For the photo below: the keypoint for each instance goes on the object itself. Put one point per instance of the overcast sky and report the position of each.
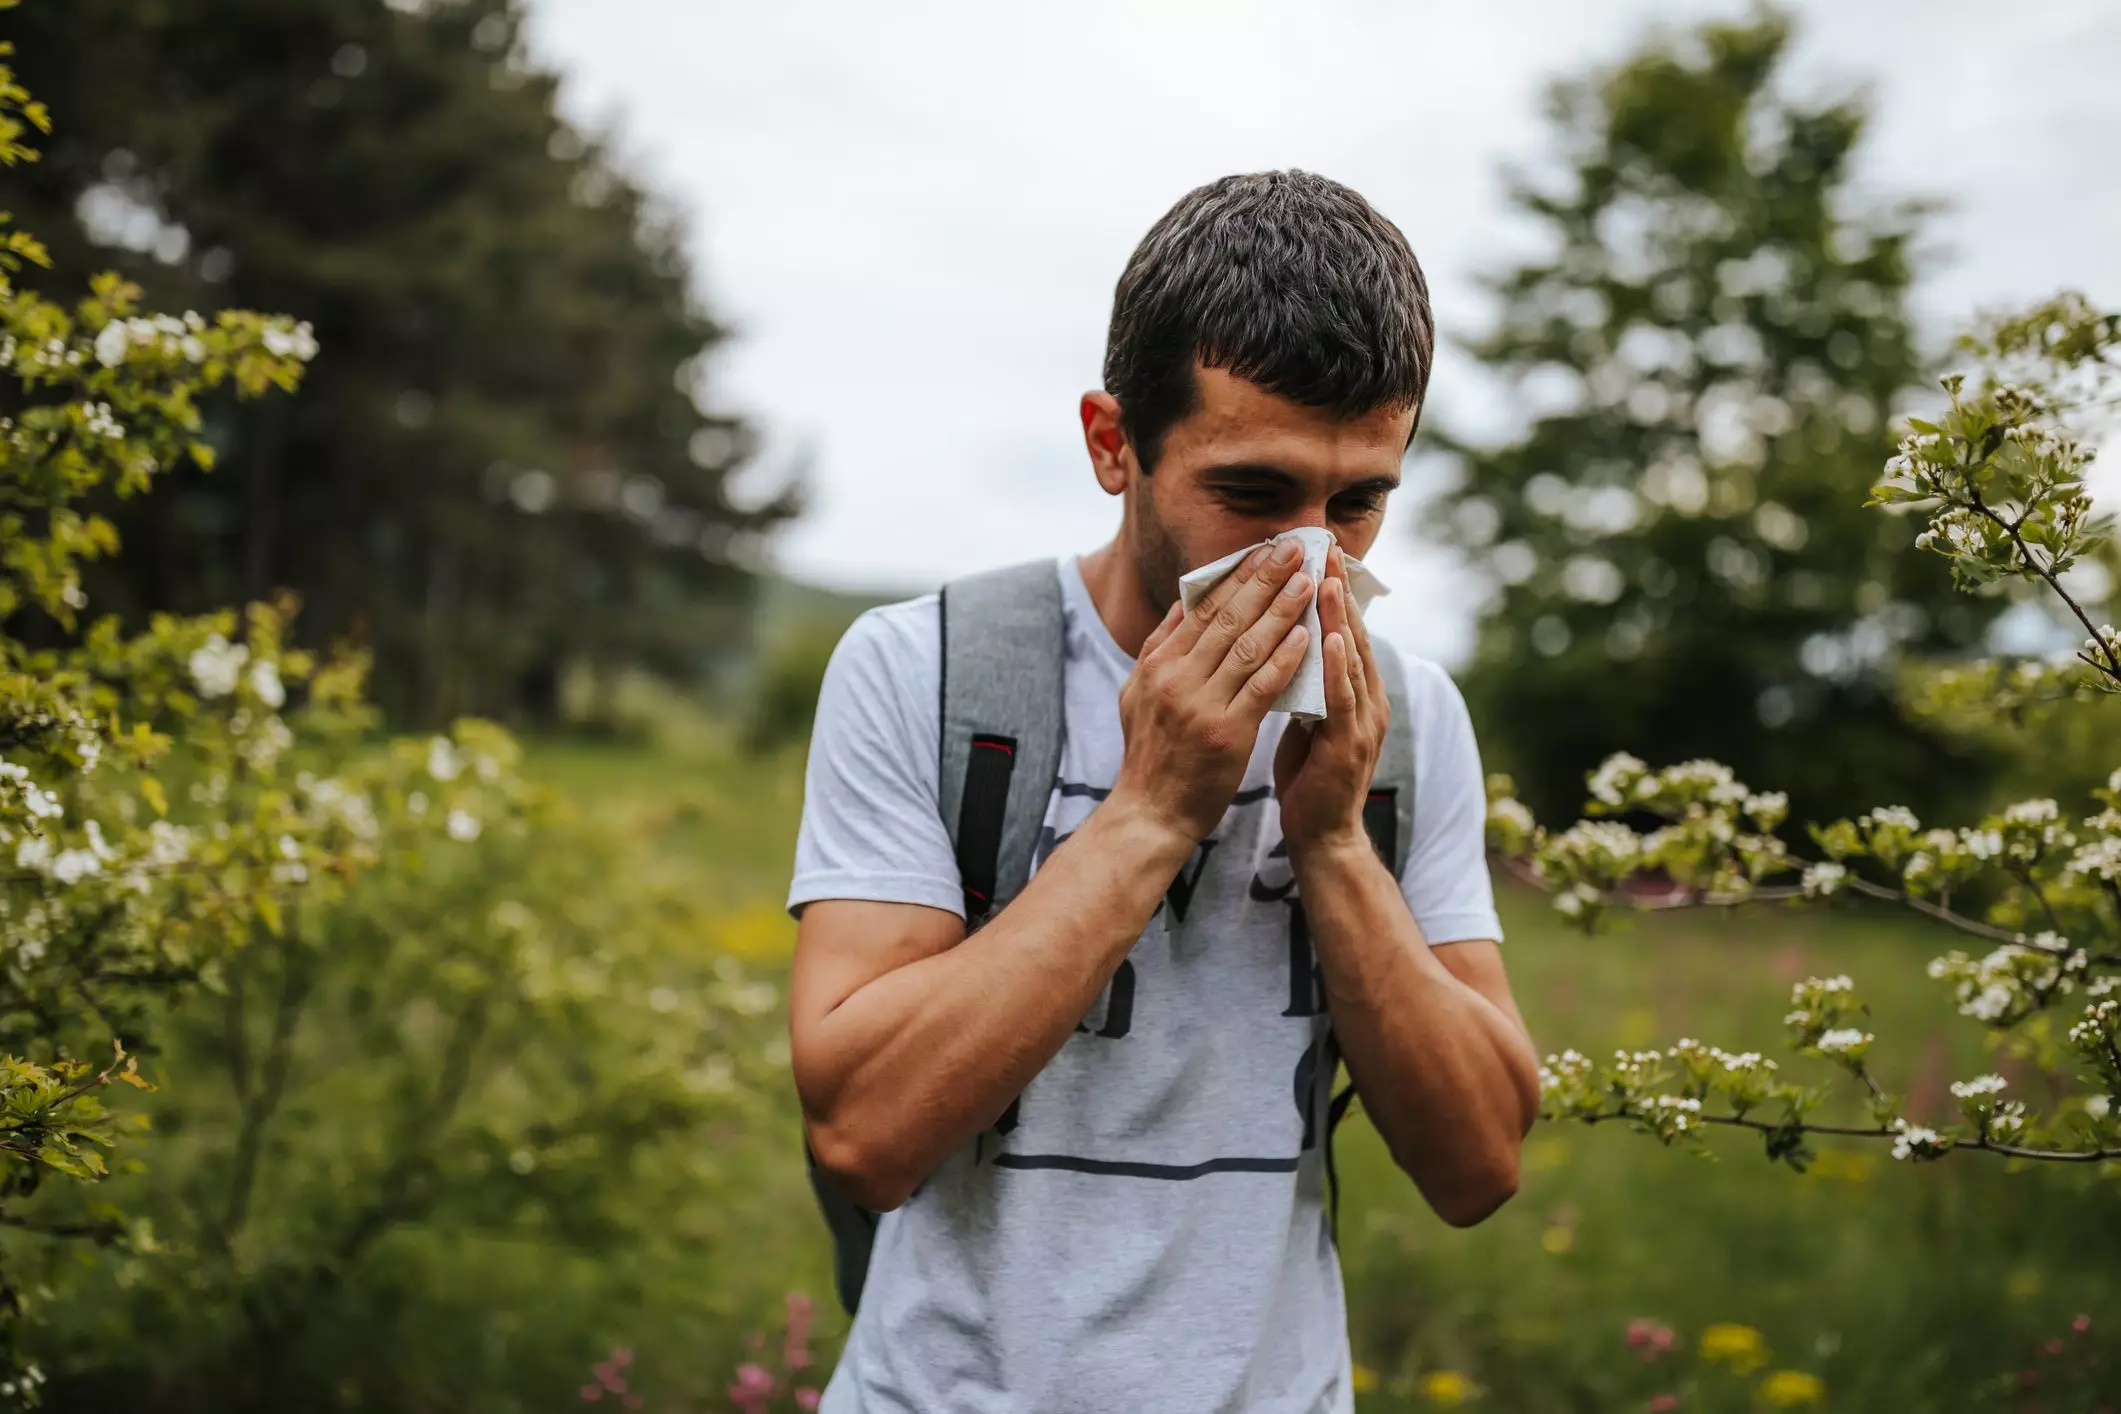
(914, 213)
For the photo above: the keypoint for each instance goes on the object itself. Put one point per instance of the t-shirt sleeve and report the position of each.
(870, 828)
(1446, 881)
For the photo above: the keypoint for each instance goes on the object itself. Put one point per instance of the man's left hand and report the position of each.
(1323, 769)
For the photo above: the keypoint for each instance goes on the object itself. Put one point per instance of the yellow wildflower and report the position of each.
(1364, 1379)
(1742, 1346)
(1446, 1387)
(1786, 1389)
(1557, 1239)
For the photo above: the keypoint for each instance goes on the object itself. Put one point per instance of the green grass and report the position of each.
(1903, 1287)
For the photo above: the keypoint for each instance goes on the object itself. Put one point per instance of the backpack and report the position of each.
(1003, 653)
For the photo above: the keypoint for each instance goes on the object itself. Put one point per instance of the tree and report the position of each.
(504, 463)
(1710, 355)
(1997, 482)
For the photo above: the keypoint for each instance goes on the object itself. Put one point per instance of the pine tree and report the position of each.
(498, 466)
(1709, 361)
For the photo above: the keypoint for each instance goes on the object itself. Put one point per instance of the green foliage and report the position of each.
(1708, 357)
(784, 700)
(505, 463)
(209, 863)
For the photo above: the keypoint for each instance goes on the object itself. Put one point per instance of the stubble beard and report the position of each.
(1158, 561)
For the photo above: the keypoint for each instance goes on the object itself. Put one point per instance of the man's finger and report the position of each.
(1341, 701)
(1367, 674)
(1244, 605)
(1190, 628)
(1257, 643)
(1256, 698)
(1159, 635)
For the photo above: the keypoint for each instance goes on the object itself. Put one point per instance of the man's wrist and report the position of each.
(1157, 841)
(1339, 851)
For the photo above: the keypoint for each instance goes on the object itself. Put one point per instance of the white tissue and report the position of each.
(1305, 696)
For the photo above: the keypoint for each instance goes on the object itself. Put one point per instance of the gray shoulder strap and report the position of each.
(1004, 645)
(1391, 803)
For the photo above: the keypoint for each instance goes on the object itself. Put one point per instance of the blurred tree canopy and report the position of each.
(501, 466)
(1709, 357)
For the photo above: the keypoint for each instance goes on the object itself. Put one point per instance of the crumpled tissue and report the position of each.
(1305, 696)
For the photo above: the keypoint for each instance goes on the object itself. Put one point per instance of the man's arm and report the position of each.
(1432, 1037)
(1433, 1040)
(908, 1038)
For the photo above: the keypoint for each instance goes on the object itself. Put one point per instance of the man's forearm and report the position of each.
(1449, 1080)
(937, 1050)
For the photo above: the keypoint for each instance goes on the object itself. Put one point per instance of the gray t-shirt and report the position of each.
(1145, 1227)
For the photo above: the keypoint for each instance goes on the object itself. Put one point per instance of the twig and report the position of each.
(2009, 1151)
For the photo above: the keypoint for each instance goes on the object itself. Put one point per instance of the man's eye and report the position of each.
(1360, 506)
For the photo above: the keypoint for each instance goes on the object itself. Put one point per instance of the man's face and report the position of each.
(1248, 464)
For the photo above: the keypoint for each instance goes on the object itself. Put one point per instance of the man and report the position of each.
(1106, 1217)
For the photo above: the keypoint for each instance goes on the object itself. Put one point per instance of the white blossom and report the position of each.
(1915, 1141)
(463, 825)
(112, 343)
(217, 665)
(1824, 879)
(1844, 1041)
(1979, 1085)
(443, 762)
(265, 683)
(1617, 770)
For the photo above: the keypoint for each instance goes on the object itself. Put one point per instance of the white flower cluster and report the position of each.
(37, 802)
(1844, 1043)
(1512, 815)
(2096, 1030)
(443, 763)
(166, 334)
(217, 666)
(290, 868)
(1825, 879)
(1958, 530)
(1615, 777)
(1916, 1141)
(1980, 1085)
(2106, 645)
(2013, 979)
(286, 338)
(98, 420)
(37, 854)
(1673, 1114)
(263, 744)
(1564, 1081)
(46, 357)
(341, 805)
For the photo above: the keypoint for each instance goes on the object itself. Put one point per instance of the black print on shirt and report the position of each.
(1275, 883)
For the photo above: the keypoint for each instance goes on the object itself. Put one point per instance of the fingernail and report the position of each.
(1297, 584)
(1288, 552)
(1258, 557)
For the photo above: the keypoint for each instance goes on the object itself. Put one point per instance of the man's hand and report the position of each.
(1202, 684)
(1322, 771)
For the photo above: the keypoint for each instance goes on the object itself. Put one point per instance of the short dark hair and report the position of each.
(1288, 280)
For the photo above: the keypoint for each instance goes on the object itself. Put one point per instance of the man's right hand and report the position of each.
(1202, 684)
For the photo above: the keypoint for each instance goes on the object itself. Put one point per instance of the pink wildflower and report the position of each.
(1664, 1404)
(806, 1399)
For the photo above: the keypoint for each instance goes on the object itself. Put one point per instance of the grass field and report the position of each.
(1896, 1287)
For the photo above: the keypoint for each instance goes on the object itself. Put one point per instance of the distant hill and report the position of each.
(787, 607)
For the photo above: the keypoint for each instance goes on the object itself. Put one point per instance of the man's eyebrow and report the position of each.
(1282, 479)
(1252, 471)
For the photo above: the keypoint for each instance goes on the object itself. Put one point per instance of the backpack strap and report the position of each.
(1388, 817)
(1004, 645)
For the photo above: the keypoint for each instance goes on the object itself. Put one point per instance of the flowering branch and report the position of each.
(2001, 477)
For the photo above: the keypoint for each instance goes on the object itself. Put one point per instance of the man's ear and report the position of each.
(1111, 457)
